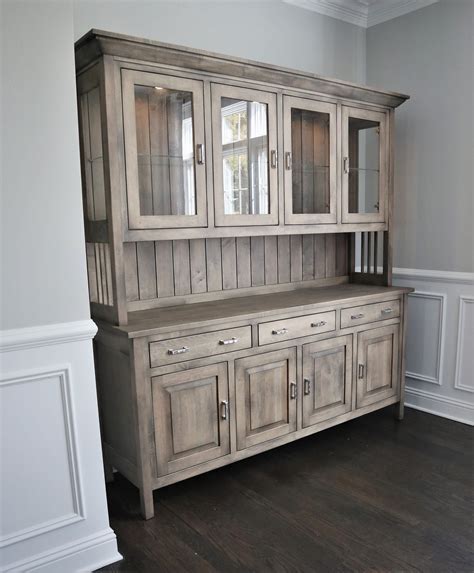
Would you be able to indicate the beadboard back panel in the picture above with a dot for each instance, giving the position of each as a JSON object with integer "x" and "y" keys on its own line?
{"x": 164, "y": 269}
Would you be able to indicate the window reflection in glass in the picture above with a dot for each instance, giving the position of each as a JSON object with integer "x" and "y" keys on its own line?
{"x": 244, "y": 157}
{"x": 165, "y": 148}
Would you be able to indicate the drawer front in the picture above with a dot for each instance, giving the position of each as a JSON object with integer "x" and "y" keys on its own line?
{"x": 277, "y": 330}
{"x": 369, "y": 313}
{"x": 173, "y": 350}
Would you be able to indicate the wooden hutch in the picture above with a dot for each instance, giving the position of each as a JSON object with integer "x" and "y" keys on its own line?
{"x": 238, "y": 221}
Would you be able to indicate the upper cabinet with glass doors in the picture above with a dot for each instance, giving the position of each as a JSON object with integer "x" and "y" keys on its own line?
{"x": 244, "y": 136}
{"x": 164, "y": 150}
{"x": 365, "y": 166}
{"x": 310, "y": 156}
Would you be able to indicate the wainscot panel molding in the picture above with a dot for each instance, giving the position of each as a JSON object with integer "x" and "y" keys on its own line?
{"x": 439, "y": 372}
{"x": 52, "y": 495}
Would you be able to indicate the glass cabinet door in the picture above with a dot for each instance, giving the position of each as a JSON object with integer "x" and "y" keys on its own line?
{"x": 364, "y": 166}
{"x": 245, "y": 156}
{"x": 309, "y": 135}
{"x": 164, "y": 150}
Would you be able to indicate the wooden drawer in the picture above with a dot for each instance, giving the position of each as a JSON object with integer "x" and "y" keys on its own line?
{"x": 369, "y": 313}
{"x": 277, "y": 330}
{"x": 174, "y": 350}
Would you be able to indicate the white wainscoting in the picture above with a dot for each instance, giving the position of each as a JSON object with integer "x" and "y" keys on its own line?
{"x": 440, "y": 342}
{"x": 52, "y": 493}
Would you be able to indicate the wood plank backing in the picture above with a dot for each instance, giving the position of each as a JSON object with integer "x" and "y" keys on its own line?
{"x": 164, "y": 269}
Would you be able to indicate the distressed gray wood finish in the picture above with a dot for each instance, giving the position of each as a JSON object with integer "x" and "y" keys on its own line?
{"x": 163, "y": 269}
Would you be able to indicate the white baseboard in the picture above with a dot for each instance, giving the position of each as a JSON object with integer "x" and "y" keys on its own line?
{"x": 54, "y": 507}
{"x": 439, "y": 406}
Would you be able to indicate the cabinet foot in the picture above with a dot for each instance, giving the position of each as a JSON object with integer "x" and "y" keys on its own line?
{"x": 147, "y": 508}
{"x": 399, "y": 411}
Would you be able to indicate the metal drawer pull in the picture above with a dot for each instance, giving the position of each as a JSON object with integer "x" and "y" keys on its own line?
{"x": 224, "y": 409}
{"x": 346, "y": 164}
{"x": 307, "y": 386}
{"x": 200, "y": 157}
{"x": 288, "y": 160}
{"x": 361, "y": 370}
{"x": 356, "y": 316}
{"x": 293, "y": 390}
{"x": 386, "y": 310}
{"x": 280, "y": 331}
{"x": 232, "y": 340}
{"x": 174, "y": 351}
{"x": 273, "y": 159}
{"x": 317, "y": 324}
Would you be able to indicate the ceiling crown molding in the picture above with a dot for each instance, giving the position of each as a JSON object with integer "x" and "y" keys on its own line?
{"x": 363, "y": 13}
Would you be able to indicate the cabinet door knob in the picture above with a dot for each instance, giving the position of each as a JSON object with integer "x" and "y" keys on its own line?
{"x": 173, "y": 351}
{"x": 293, "y": 390}
{"x": 224, "y": 409}
{"x": 280, "y": 331}
{"x": 361, "y": 370}
{"x": 200, "y": 156}
{"x": 273, "y": 158}
{"x": 318, "y": 324}
{"x": 307, "y": 387}
{"x": 357, "y": 316}
{"x": 232, "y": 340}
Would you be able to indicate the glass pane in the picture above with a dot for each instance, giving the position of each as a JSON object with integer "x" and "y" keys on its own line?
{"x": 364, "y": 167}
{"x": 245, "y": 157}
{"x": 165, "y": 148}
{"x": 310, "y": 161}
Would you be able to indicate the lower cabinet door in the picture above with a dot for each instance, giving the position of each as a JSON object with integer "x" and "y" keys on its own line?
{"x": 265, "y": 396}
{"x": 377, "y": 364}
{"x": 191, "y": 416}
{"x": 327, "y": 379}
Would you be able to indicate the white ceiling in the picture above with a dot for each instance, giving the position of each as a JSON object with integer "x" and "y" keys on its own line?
{"x": 364, "y": 13}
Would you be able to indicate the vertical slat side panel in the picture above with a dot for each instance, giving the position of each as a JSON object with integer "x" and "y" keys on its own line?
{"x": 296, "y": 258}
{"x": 257, "y": 254}
{"x": 214, "y": 264}
{"x": 197, "y": 254}
{"x": 284, "y": 259}
{"x": 319, "y": 246}
{"x": 164, "y": 268}
{"x": 182, "y": 269}
{"x": 341, "y": 255}
{"x": 244, "y": 276}
{"x": 330, "y": 256}
{"x": 308, "y": 257}
{"x": 108, "y": 270}
{"x": 131, "y": 271}
{"x": 271, "y": 261}
{"x": 229, "y": 263}
{"x": 146, "y": 270}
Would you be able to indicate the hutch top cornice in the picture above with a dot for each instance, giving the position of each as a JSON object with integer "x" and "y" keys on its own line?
{"x": 97, "y": 43}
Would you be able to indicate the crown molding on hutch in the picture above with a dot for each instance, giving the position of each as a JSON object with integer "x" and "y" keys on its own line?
{"x": 363, "y": 13}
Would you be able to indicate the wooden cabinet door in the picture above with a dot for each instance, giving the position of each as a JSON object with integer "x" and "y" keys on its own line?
{"x": 365, "y": 161}
{"x": 265, "y": 397}
{"x": 310, "y": 161}
{"x": 191, "y": 417}
{"x": 244, "y": 140}
{"x": 327, "y": 379}
{"x": 377, "y": 364}
{"x": 163, "y": 118}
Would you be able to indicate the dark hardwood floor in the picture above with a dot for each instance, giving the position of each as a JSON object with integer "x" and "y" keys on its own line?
{"x": 372, "y": 495}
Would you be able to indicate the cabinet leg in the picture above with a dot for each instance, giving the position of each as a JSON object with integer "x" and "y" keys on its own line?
{"x": 399, "y": 410}
{"x": 147, "y": 508}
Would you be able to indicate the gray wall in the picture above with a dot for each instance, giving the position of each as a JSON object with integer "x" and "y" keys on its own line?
{"x": 269, "y": 31}
{"x": 43, "y": 271}
{"x": 429, "y": 55}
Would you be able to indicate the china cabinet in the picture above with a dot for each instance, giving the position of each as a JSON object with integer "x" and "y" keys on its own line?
{"x": 238, "y": 223}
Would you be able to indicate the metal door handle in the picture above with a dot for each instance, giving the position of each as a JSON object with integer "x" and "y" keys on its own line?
{"x": 361, "y": 370}
{"x": 280, "y": 331}
{"x": 273, "y": 158}
{"x": 232, "y": 340}
{"x": 288, "y": 162}
{"x": 357, "y": 316}
{"x": 306, "y": 386}
{"x": 346, "y": 164}
{"x": 224, "y": 409}
{"x": 173, "y": 351}
{"x": 317, "y": 324}
{"x": 200, "y": 156}
{"x": 293, "y": 390}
